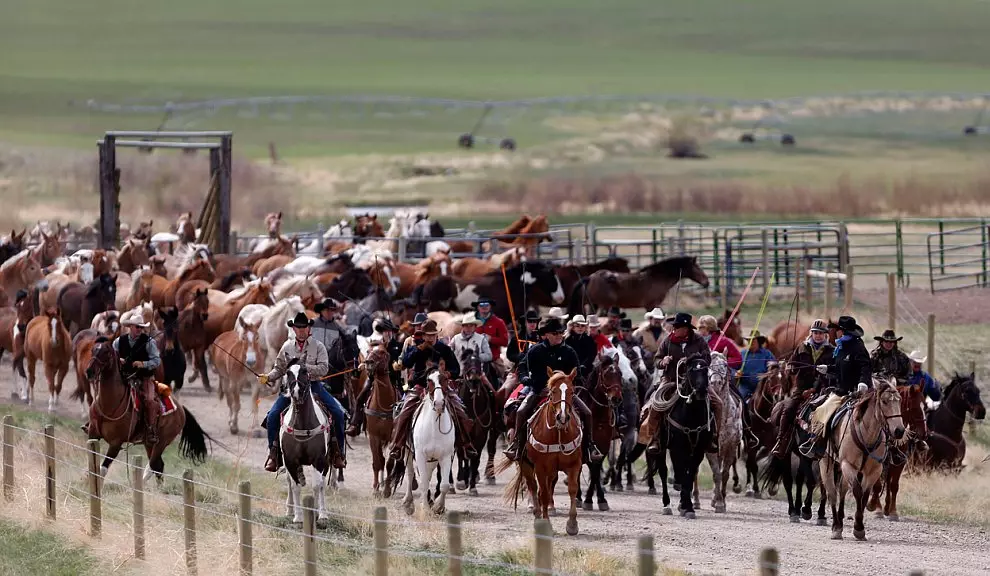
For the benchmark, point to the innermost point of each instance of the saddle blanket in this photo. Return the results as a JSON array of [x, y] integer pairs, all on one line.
[[165, 402], [517, 396]]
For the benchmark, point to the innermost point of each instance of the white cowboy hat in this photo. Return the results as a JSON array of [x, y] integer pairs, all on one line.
[[579, 320], [593, 321], [655, 313], [558, 313], [916, 356], [469, 318], [133, 318]]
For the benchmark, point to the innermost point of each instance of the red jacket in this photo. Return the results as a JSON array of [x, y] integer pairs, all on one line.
[[602, 341], [727, 347], [498, 335]]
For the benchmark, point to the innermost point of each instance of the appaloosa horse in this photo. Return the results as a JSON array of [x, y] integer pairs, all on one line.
[[645, 288]]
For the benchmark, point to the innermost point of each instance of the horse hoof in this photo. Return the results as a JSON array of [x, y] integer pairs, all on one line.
[[603, 506], [461, 485], [667, 511], [737, 489], [587, 506], [859, 534], [689, 516], [552, 511], [879, 514], [616, 488], [894, 518], [749, 493], [490, 481], [720, 509], [572, 528], [629, 488], [806, 515], [822, 522], [836, 534], [697, 504], [757, 496], [652, 491], [795, 519], [439, 510], [409, 508], [529, 508], [771, 492], [233, 430]]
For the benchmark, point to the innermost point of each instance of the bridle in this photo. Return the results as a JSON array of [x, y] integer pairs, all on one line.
[[682, 376], [98, 378], [883, 436]]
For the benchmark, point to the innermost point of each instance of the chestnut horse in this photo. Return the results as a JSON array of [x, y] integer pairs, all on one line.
[[47, 340], [13, 325], [645, 288], [184, 295], [913, 413], [134, 254], [602, 393], [571, 274], [240, 357], [787, 335], [378, 411], [192, 334], [20, 272]]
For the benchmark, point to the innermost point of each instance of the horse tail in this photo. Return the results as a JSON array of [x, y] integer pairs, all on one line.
[[79, 393], [514, 487], [774, 472], [576, 303], [192, 445]]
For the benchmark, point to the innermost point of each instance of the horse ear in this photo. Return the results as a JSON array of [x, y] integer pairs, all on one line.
[[549, 372], [573, 374], [374, 218], [279, 216]]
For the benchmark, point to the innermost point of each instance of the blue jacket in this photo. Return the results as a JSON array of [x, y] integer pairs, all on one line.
[[929, 386], [754, 364]]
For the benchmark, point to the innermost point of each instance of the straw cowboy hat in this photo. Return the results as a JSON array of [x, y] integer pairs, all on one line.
[[558, 313], [756, 336], [300, 321], [133, 318], [469, 319], [656, 313], [915, 356], [593, 321], [579, 320], [888, 336]]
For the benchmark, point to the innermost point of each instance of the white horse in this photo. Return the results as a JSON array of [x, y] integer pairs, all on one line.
[[433, 444], [274, 331], [322, 433]]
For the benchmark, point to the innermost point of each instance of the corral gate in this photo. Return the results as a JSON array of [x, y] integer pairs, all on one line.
[[959, 258]]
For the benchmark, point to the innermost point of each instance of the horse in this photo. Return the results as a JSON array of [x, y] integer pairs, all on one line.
[[79, 303], [947, 447], [192, 334], [378, 410], [913, 414], [172, 370], [602, 393], [273, 225], [225, 264], [46, 339], [523, 280], [645, 288], [571, 274], [353, 284], [553, 446], [472, 268], [729, 429], [432, 444], [134, 254], [49, 248], [11, 245], [163, 291], [859, 441], [479, 405], [13, 326], [105, 324], [527, 233], [241, 353], [732, 331], [367, 226], [689, 427], [305, 288], [114, 417], [21, 272], [759, 433], [632, 392]]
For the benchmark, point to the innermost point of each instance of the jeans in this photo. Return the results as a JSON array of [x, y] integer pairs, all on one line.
[[282, 402]]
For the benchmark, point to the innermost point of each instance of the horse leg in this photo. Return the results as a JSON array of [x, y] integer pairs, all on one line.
[[793, 511], [544, 492], [288, 498], [596, 482], [50, 378], [835, 495], [587, 505], [462, 472], [893, 484], [662, 472], [440, 506], [752, 473], [491, 445], [407, 501], [736, 488], [320, 479], [28, 394], [108, 458], [822, 520], [874, 504], [718, 492], [852, 478], [474, 473], [573, 474], [424, 471], [201, 368], [296, 488]]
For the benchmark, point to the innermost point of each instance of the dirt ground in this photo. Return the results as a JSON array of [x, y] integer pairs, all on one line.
[[712, 544]]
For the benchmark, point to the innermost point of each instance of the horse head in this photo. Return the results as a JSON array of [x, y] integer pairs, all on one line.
[[966, 389], [297, 383], [887, 400], [102, 357], [249, 335], [913, 410], [368, 226], [377, 363], [692, 377], [609, 375], [561, 387], [273, 223], [436, 380], [718, 373]]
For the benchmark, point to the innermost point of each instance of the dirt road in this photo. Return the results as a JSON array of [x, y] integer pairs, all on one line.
[[712, 544]]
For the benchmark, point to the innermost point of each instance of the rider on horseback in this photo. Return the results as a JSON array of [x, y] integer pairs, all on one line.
[[340, 342], [425, 353], [889, 359], [814, 351], [313, 355], [522, 340], [385, 329], [553, 354], [851, 371], [139, 359]]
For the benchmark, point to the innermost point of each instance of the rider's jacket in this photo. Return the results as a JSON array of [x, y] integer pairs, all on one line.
[[312, 354], [143, 350]]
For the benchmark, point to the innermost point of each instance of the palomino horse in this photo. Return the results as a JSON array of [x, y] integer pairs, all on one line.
[[241, 354], [21, 272], [306, 438], [913, 414], [602, 393], [729, 429], [433, 444], [114, 417], [858, 449], [553, 446], [947, 447], [645, 288], [378, 410], [478, 397], [47, 340], [172, 370]]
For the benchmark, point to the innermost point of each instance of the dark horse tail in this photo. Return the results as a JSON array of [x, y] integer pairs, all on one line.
[[775, 471], [192, 444], [576, 303]]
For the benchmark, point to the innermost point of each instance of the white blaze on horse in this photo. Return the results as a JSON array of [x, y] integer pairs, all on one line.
[[433, 445]]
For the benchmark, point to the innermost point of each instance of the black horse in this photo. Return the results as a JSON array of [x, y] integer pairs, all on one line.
[[479, 402], [690, 424], [173, 358]]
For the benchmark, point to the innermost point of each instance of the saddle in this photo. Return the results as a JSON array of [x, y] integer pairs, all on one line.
[[517, 397], [165, 402], [281, 416]]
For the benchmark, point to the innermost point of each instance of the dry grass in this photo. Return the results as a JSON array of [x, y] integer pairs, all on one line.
[[963, 497]]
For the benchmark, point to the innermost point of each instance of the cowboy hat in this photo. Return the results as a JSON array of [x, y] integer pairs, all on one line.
[[756, 336], [848, 324], [429, 327], [530, 316], [655, 313], [625, 324], [819, 325], [300, 321], [558, 313], [888, 336], [593, 321], [551, 325], [915, 356], [384, 324], [579, 320], [682, 319], [327, 304], [419, 318], [615, 312], [484, 300], [469, 319], [133, 318]]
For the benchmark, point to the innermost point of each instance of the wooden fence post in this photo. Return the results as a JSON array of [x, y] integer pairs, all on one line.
[[137, 489], [647, 563], [95, 482], [543, 546], [309, 536], [849, 289], [828, 290], [765, 262], [245, 527], [931, 344], [8, 457], [455, 548], [381, 541], [189, 509], [891, 302], [50, 471], [769, 562]]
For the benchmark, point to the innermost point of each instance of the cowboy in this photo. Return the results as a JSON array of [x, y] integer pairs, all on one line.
[[681, 343], [815, 350], [708, 329], [625, 334], [555, 355], [851, 372], [492, 327], [653, 332], [615, 315], [415, 326], [755, 363], [521, 341], [139, 359], [558, 313], [425, 353], [594, 330], [583, 345], [384, 329], [313, 354], [470, 339], [887, 358], [338, 339], [929, 386]]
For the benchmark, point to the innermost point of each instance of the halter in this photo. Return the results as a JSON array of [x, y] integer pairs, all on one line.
[[428, 391], [561, 447], [306, 435]]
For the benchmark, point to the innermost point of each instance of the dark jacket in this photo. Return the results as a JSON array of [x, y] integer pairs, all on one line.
[[514, 351], [895, 363], [586, 349], [805, 361], [695, 344], [142, 350], [394, 348], [340, 342], [533, 371], [852, 366], [422, 360]]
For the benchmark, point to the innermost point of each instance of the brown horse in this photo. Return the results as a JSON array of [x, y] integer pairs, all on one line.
[[115, 418], [47, 340], [526, 232], [947, 447], [378, 411], [759, 433], [223, 315], [134, 254], [49, 249], [787, 335], [185, 294], [732, 331], [553, 446], [602, 393], [11, 245], [79, 304], [226, 263], [368, 226], [571, 274], [473, 268], [240, 354], [476, 393], [913, 414], [192, 334], [21, 272], [163, 291], [13, 325], [645, 288]]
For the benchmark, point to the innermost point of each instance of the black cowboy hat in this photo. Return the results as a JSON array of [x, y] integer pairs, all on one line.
[[615, 312], [682, 319], [384, 324], [888, 336], [327, 304], [847, 324], [530, 316], [550, 325], [300, 321], [419, 318], [21, 294], [625, 324], [481, 301]]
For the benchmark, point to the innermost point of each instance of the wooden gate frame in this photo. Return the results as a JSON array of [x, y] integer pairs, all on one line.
[[220, 166]]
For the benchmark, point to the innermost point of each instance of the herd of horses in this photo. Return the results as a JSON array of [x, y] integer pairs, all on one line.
[[229, 312]]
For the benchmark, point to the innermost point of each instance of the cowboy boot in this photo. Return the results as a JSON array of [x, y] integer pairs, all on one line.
[[151, 411], [522, 416], [357, 419], [338, 460], [274, 461], [402, 424]]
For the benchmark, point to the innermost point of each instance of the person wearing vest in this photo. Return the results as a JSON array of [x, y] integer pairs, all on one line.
[[139, 359], [311, 353], [340, 342], [384, 330]]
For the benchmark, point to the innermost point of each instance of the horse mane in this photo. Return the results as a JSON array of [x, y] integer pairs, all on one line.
[[15, 259], [957, 380], [242, 290], [669, 266], [101, 340]]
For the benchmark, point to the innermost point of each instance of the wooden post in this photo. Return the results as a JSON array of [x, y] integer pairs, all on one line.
[[189, 509], [891, 302], [647, 563], [50, 471], [381, 541], [849, 289], [769, 562], [8, 457], [543, 546], [309, 536], [765, 263], [931, 344], [95, 481], [245, 527], [137, 488], [455, 548], [828, 290], [226, 161]]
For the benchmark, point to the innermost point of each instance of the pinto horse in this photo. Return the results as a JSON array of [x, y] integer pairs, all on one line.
[[913, 414], [602, 393], [114, 418], [645, 288], [46, 339]]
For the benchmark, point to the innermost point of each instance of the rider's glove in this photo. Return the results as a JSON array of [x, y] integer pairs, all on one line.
[[263, 379], [821, 368], [862, 388]]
